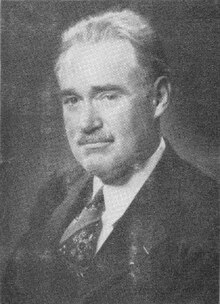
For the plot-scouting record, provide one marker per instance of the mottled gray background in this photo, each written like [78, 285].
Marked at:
[33, 142]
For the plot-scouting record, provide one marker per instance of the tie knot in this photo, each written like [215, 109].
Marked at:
[97, 202]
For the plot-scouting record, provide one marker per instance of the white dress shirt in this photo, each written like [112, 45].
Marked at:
[118, 198]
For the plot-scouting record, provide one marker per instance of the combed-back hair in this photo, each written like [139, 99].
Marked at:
[122, 25]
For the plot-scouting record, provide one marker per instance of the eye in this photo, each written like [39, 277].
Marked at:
[110, 96]
[70, 100]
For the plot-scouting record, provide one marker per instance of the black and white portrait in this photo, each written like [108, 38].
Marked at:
[109, 152]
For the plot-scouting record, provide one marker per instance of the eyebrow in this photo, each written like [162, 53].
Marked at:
[69, 92]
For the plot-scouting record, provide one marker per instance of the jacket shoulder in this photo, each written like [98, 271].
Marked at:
[197, 191]
[194, 198]
[52, 194]
[190, 181]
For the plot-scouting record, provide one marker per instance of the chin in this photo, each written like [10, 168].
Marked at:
[96, 168]
[109, 173]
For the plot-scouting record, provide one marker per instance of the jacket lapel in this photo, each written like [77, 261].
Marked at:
[145, 226]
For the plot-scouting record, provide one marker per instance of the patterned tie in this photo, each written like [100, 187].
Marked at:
[80, 248]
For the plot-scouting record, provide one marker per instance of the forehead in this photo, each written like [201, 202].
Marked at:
[97, 63]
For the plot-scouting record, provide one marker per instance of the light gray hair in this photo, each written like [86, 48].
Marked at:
[122, 25]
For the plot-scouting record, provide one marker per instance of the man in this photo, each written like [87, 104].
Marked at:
[151, 235]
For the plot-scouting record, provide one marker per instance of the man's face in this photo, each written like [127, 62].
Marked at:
[108, 115]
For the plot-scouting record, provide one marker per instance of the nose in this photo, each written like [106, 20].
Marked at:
[90, 119]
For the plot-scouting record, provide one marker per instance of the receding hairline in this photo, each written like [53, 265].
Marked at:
[122, 25]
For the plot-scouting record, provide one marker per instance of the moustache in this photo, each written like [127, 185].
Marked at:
[94, 139]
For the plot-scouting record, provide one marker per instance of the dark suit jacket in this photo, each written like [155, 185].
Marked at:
[162, 250]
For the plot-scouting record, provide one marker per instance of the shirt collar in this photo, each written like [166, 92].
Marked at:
[118, 198]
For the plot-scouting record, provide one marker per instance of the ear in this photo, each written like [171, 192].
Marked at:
[162, 89]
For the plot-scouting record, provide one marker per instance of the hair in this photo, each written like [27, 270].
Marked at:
[122, 25]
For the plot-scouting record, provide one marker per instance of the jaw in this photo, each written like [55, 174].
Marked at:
[110, 169]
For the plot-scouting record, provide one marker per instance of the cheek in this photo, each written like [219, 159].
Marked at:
[66, 117]
[143, 116]
[70, 123]
[121, 121]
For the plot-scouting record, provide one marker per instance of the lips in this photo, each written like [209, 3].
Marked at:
[99, 146]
